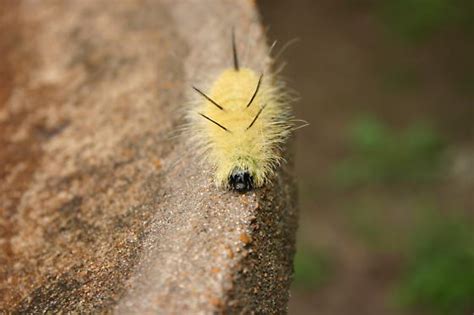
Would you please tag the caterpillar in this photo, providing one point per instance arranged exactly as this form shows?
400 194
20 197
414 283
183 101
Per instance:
240 125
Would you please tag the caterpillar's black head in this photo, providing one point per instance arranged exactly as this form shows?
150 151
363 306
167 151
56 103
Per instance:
241 180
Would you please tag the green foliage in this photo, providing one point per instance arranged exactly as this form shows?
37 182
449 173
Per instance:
400 77
312 269
465 84
380 154
370 223
440 273
418 19
363 220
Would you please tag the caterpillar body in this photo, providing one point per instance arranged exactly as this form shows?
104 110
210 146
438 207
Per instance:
240 125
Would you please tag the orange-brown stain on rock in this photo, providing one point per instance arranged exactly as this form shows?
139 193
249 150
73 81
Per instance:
215 301
245 238
157 163
229 252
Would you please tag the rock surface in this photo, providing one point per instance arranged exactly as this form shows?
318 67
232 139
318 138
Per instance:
102 207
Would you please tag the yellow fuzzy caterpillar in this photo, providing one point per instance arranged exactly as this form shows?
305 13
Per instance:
241 124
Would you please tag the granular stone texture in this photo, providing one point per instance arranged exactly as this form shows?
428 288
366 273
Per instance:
102 205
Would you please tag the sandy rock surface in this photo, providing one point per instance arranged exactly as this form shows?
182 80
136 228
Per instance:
102 207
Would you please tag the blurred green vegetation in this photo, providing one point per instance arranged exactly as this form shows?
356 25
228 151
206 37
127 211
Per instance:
362 222
439 275
381 154
397 77
440 270
419 19
369 223
465 84
312 268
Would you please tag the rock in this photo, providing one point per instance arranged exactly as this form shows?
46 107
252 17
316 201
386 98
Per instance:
102 206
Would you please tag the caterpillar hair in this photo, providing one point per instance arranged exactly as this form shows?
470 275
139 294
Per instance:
241 125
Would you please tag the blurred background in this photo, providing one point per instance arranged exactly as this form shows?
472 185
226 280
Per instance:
386 168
